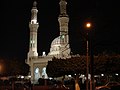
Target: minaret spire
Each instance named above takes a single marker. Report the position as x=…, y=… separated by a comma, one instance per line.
x=63, y=4
x=63, y=24
x=34, y=4
x=34, y=12
x=63, y=18
x=33, y=25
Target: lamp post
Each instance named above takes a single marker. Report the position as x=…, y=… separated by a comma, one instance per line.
x=87, y=26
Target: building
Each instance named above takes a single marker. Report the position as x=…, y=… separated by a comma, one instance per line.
x=60, y=47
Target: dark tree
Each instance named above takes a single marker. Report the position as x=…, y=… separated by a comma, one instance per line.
x=103, y=64
x=107, y=65
x=61, y=67
x=71, y=66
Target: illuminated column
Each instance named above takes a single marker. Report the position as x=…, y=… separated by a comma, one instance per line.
x=63, y=18
x=33, y=25
x=63, y=24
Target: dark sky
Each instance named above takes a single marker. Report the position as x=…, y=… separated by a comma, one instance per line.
x=16, y=14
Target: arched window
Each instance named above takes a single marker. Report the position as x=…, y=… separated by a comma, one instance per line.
x=44, y=74
x=37, y=73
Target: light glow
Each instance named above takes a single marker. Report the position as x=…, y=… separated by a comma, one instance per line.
x=116, y=74
x=69, y=76
x=22, y=76
x=29, y=76
x=102, y=74
x=88, y=25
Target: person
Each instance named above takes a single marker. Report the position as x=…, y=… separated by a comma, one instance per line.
x=29, y=84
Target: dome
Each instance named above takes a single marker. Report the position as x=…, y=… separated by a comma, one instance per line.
x=56, y=42
x=59, y=47
x=56, y=46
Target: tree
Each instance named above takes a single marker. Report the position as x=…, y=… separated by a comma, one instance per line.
x=61, y=67
x=71, y=66
x=107, y=64
x=103, y=64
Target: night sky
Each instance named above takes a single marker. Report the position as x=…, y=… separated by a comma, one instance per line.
x=16, y=15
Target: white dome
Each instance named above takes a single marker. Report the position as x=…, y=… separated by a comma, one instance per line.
x=55, y=46
x=59, y=47
x=56, y=41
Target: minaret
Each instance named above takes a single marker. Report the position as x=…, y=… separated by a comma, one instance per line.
x=63, y=24
x=33, y=25
x=63, y=21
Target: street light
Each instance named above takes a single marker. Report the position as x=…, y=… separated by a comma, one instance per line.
x=87, y=26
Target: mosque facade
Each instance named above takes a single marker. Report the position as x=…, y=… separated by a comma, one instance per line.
x=60, y=47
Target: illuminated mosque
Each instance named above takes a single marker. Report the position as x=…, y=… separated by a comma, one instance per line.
x=60, y=47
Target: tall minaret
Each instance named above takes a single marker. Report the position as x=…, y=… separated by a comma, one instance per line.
x=33, y=25
x=63, y=21
x=63, y=24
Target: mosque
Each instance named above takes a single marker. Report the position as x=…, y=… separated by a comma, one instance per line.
x=60, y=47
